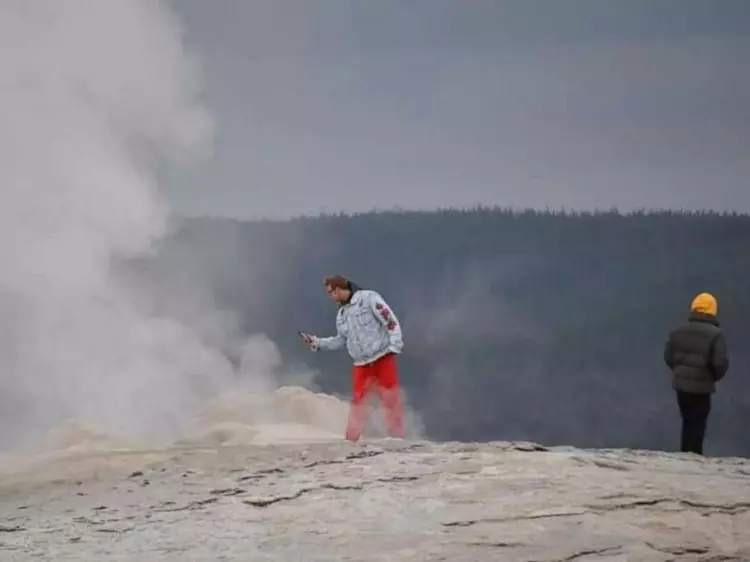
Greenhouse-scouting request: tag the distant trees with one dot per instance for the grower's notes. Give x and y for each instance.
(542, 325)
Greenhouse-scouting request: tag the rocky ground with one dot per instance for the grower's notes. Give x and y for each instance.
(376, 501)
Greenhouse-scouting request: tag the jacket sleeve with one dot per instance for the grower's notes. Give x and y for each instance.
(669, 353)
(719, 357)
(329, 344)
(389, 320)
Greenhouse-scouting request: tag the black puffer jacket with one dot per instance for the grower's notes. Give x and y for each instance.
(696, 352)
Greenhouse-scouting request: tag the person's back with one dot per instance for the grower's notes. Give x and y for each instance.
(692, 355)
(696, 354)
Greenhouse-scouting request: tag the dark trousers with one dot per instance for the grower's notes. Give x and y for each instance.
(694, 409)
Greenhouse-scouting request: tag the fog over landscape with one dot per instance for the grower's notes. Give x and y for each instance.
(88, 115)
(179, 177)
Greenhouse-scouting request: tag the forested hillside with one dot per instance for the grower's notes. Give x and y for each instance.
(545, 326)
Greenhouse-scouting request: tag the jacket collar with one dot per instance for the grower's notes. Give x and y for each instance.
(353, 288)
(702, 317)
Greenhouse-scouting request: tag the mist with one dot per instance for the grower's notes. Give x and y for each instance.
(106, 335)
(531, 326)
(96, 98)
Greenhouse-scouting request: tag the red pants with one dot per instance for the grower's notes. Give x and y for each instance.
(382, 376)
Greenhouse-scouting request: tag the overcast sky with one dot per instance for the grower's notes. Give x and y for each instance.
(327, 105)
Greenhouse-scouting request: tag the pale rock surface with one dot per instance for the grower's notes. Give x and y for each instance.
(376, 501)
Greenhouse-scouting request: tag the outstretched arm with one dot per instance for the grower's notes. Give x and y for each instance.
(389, 320)
(327, 344)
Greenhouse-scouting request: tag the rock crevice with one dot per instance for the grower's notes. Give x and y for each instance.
(382, 500)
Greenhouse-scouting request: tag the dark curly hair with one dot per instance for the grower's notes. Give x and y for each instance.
(336, 282)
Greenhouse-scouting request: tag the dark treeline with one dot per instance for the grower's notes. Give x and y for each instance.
(546, 326)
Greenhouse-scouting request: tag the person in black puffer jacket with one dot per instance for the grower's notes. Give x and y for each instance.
(696, 353)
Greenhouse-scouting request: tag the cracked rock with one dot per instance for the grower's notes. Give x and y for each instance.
(380, 501)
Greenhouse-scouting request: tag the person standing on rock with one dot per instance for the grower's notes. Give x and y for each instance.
(696, 353)
(371, 332)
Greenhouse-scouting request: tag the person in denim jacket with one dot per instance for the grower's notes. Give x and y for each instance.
(371, 332)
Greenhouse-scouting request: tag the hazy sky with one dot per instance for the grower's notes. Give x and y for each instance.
(353, 104)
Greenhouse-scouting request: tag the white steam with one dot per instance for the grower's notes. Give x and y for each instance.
(94, 96)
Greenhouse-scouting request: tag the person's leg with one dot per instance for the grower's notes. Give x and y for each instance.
(701, 410)
(361, 381)
(683, 403)
(386, 373)
(694, 409)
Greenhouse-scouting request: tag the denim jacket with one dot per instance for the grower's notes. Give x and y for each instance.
(367, 326)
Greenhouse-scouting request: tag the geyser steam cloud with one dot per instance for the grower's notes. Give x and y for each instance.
(94, 96)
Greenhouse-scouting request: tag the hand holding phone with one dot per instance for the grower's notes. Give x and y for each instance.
(306, 338)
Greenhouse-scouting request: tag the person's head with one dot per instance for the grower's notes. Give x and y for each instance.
(338, 288)
(705, 303)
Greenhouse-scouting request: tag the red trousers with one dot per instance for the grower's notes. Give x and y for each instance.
(380, 376)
